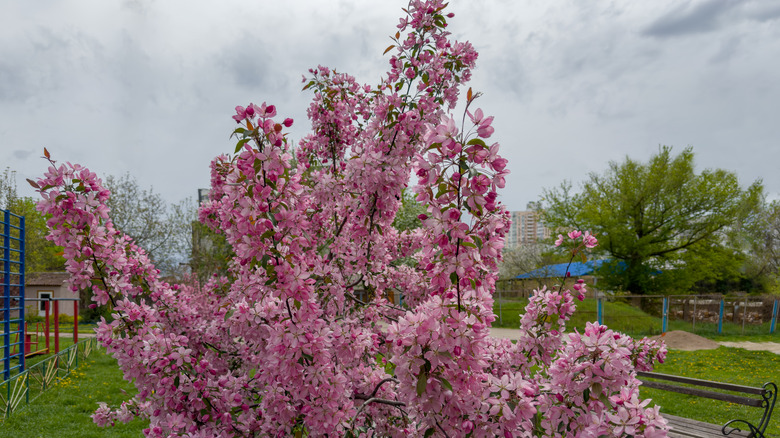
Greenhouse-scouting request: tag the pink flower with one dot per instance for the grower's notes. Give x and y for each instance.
(590, 240)
(559, 240)
(574, 234)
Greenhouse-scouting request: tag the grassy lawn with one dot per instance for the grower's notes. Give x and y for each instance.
(623, 317)
(617, 315)
(64, 410)
(32, 360)
(64, 327)
(731, 365)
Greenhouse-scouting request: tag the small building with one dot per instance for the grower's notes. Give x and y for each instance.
(42, 285)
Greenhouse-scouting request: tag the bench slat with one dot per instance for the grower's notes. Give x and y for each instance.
(699, 382)
(685, 428)
(704, 393)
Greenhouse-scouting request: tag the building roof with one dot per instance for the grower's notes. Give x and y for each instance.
(576, 269)
(46, 278)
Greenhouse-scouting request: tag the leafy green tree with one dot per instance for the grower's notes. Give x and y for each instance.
(40, 254)
(211, 253)
(407, 216)
(665, 226)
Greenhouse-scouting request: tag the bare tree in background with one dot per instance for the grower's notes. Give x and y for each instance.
(163, 230)
(519, 260)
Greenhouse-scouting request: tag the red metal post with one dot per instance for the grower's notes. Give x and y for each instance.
(27, 340)
(46, 306)
(75, 322)
(56, 327)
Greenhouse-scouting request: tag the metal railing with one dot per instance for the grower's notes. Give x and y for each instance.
(35, 380)
(655, 314)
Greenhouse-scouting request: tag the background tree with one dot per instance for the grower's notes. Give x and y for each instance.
(520, 260)
(210, 253)
(7, 188)
(163, 230)
(407, 217)
(41, 255)
(762, 243)
(665, 226)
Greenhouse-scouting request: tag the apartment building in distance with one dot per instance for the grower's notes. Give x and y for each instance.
(526, 228)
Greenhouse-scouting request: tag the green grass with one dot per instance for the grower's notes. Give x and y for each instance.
(730, 365)
(32, 360)
(617, 315)
(64, 410)
(64, 327)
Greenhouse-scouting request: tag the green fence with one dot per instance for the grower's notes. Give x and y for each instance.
(32, 382)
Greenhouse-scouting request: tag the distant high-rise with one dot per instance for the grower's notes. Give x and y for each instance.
(526, 228)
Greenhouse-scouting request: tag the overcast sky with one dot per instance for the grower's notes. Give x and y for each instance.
(148, 87)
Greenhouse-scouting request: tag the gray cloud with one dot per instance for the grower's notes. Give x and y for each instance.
(691, 18)
(138, 86)
(22, 154)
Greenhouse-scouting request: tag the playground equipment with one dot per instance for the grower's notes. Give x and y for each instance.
(29, 342)
(12, 282)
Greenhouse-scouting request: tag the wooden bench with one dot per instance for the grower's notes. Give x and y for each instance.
(764, 397)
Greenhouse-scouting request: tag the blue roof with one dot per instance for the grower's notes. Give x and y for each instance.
(576, 269)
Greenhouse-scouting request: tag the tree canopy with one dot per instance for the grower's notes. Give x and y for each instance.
(41, 255)
(663, 224)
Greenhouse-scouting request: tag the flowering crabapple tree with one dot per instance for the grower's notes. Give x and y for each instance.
(301, 339)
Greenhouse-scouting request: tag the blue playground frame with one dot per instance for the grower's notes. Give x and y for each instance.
(12, 280)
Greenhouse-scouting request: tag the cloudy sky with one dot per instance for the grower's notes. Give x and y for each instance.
(148, 87)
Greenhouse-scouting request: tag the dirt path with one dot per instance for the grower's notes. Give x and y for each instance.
(774, 347)
(676, 340)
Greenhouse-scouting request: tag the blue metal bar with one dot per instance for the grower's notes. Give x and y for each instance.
(665, 316)
(22, 292)
(6, 239)
(720, 316)
(6, 294)
(774, 316)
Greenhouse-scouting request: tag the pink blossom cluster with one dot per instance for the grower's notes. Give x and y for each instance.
(304, 336)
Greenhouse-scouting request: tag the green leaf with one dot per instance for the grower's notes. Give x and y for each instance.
(252, 373)
(478, 241)
(241, 144)
(446, 384)
(478, 141)
(429, 432)
(422, 383)
(454, 278)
